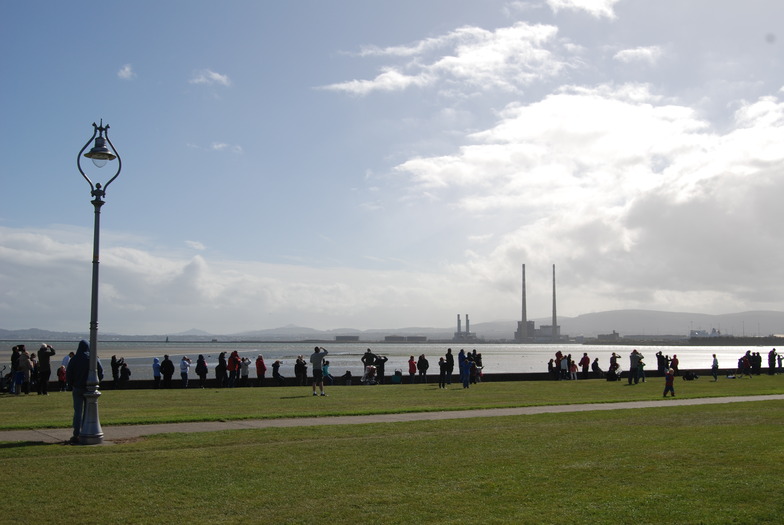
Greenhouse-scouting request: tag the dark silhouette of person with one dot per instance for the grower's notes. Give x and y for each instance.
(76, 375)
(167, 371)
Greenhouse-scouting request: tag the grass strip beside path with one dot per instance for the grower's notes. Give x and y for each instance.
(128, 407)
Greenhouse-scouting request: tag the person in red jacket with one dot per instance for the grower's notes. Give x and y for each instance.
(412, 368)
(261, 369)
(585, 362)
(233, 368)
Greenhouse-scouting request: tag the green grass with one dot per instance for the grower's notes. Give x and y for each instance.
(699, 464)
(119, 407)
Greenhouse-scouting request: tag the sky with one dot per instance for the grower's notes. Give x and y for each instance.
(389, 164)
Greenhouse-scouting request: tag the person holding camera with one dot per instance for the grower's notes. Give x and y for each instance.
(317, 360)
(185, 365)
(44, 368)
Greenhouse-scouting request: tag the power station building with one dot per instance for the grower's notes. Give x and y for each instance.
(460, 335)
(527, 331)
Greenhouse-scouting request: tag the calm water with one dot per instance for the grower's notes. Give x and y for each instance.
(496, 358)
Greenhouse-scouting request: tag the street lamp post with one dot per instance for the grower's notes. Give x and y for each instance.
(91, 432)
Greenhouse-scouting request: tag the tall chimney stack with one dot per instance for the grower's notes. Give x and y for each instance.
(555, 318)
(524, 325)
(468, 329)
(458, 324)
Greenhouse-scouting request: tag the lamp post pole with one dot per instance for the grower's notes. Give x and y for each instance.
(91, 432)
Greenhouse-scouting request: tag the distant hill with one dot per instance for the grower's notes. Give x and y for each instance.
(625, 322)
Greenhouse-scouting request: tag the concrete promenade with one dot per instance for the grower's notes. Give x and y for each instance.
(125, 432)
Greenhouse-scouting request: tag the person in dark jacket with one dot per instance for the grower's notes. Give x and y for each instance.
(167, 370)
(220, 371)
(201, 370)
(44, 368)
(76, 376)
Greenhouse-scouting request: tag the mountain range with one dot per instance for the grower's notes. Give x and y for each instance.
(628, 323)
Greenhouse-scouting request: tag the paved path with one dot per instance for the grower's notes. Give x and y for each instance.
(119, 433)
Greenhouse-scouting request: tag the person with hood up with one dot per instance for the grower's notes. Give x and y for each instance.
(76, 375)
(156, 371)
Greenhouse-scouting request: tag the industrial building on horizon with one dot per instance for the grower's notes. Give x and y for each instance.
(464, 336)
(527, 331)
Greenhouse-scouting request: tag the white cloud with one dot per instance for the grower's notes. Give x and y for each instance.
(222, 146)
(46, 281)
(632, 196)
(206, 76)
(126, 72)
(507, 58)
(596, 8)
(196, 245)
(650, 55)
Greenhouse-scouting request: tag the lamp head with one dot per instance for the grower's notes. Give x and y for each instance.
(100, 154)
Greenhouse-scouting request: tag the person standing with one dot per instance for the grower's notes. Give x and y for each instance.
(261, 369)
(234, 368)
(412, 369)
(156, 372)
(380, 363)
(23, 369)
(368, 359)
(669, 379)
(116, 365)
(443, 371)
(465, 372)
(674, 364)
(422, 366)
(634, 362)
(772, 362)
(201, 370)
(585, 363)
(220, 371)
(76, 376)
(185, 365)
(244, 371)
(317, 360)
(301, 371)
(167, 370)
(715, 368)
(44, 368)
(450, 365)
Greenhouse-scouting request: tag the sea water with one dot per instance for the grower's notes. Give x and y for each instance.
(496, 358)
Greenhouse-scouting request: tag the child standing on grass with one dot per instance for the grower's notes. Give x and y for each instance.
(669, 379)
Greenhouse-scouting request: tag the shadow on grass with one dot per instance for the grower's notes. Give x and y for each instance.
(19, 444)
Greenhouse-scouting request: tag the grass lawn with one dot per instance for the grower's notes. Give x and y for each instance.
(712, 464)
(697, 464)
(119, 407)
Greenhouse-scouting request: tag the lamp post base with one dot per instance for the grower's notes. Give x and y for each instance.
(91, 432)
